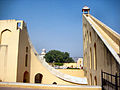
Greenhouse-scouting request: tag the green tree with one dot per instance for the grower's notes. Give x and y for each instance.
(55, 56)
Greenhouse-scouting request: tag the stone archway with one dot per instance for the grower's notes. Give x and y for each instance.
(26, 77)
(38, 78)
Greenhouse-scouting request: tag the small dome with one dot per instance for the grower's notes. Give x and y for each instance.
(85, 8)
(43, 50)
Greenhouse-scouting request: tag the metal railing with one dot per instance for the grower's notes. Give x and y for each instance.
(110, 81)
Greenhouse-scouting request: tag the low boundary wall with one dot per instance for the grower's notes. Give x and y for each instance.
(49, 87)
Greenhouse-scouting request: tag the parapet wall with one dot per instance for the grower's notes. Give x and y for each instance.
(112, 34)
(47, 87)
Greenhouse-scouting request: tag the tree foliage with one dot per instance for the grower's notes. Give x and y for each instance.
(55, 56)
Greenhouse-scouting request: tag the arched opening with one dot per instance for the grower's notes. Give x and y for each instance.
(18, 25)
(95, 81)
(95, 59)
(26, 77)
(87, 35)
(90, 79)
(26, 60)
(4, 36)
(90, 38)
(90, 54)
(26, 49)
(54, 83)
(38, 78)
(85, 41)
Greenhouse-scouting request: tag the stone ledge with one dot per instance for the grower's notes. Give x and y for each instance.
(49, 86)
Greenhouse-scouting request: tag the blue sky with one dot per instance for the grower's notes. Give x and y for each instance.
(57, 24)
